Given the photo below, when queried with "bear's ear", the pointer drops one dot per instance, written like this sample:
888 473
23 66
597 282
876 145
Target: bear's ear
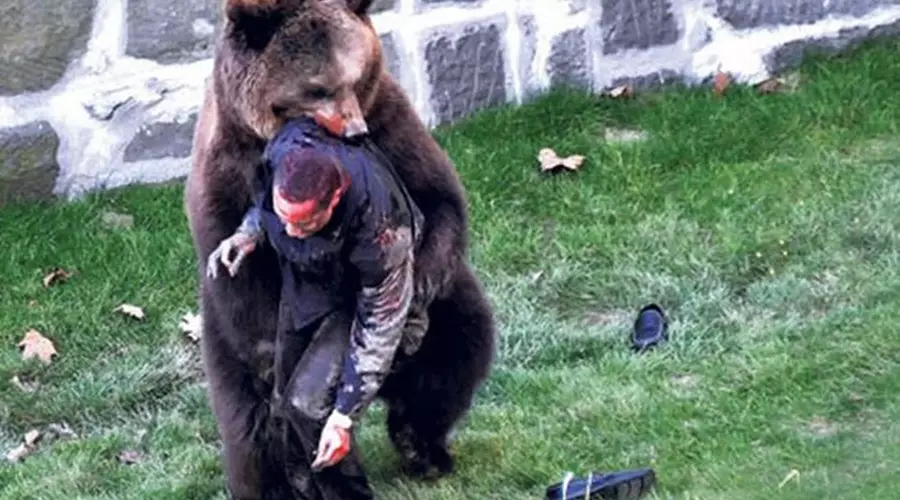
254 21
359 7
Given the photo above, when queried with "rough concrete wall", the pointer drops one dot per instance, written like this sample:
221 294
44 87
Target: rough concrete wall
102 93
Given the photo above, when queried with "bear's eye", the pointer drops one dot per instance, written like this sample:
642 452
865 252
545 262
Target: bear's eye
318 93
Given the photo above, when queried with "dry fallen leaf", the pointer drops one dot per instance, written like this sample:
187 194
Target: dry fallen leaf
192 326
23 385
131 310
769 86
129 457
621 91
720 83
19 452
781 84
550 161
62 431
36 345
32 437
57 275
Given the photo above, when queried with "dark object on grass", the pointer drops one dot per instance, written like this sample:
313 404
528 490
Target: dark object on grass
650 328
622 485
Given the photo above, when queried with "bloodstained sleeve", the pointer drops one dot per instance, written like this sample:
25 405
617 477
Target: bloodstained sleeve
383 255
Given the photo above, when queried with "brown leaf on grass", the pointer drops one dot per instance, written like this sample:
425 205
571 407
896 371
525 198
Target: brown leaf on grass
784 84
130 457
770 86
32 436
621 91
550 161
721 82
62 431
192 326
131 310
35 345
26 447
18 453
57 275
28 386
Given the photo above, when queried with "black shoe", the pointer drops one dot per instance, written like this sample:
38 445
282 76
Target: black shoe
650 328
622 485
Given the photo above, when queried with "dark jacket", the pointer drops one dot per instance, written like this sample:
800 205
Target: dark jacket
354 261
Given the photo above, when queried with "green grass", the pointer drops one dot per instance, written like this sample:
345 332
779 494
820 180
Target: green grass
767 226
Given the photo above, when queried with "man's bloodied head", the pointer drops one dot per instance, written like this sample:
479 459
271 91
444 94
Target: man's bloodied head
307 186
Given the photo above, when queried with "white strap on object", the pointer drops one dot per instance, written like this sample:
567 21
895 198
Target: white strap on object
565 486
587 486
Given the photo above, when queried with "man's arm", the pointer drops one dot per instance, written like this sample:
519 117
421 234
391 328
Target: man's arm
385 263
386 269
243 242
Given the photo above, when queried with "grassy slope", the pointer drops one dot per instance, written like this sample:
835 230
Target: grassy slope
766 226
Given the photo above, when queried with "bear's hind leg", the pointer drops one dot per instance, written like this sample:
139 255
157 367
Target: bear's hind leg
242 418
434 389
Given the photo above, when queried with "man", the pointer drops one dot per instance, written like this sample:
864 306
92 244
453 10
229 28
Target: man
345 231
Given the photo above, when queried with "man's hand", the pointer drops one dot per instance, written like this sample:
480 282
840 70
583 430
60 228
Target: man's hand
335 441
241 242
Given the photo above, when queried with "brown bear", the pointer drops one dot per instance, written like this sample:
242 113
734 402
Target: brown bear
278 59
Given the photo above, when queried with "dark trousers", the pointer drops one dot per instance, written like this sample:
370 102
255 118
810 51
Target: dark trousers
307 373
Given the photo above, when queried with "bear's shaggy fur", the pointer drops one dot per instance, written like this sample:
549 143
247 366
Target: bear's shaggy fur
282 58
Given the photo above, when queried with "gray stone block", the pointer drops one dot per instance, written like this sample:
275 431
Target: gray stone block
885 30
171 32
390 56
28 168
637 24
466 70
752 13
382 5
569 63
648 81
38 39
162 140
790 55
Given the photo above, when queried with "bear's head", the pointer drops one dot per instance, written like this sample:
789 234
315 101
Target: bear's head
280 59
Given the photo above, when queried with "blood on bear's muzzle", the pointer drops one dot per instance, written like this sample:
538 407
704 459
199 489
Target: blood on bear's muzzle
340 127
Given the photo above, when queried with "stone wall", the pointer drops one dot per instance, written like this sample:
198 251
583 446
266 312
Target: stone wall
102 93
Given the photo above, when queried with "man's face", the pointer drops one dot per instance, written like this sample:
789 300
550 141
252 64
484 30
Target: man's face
305 218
